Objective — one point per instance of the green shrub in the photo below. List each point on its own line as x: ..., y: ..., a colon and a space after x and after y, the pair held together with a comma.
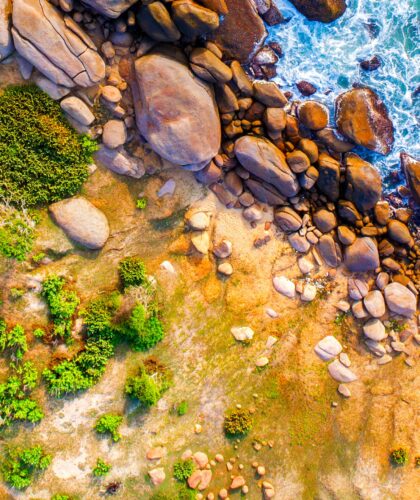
x: 62, y: 305
x: 15, y: 403
x: 132, y: 272
x: 183, y: 469
x: 20, y: 466
x: 182, y: 408
x: 238, y: 422
x: 109, y: 424
x: 98, y: 316
x: 14, y: 339
x: 42, y: 158
x: 141, y: 203
x: 16, y: 293
x: 39, y: 333
x: 149, y: 385
x: 59, y: 496
x: 399, y: 456
x: 143, y: 333
x: 101, y: 468
x: 17, y: 230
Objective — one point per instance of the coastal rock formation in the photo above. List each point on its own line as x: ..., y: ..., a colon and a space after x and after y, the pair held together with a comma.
x: 241, y: 32
x: 362, y: 117
x: 175, y: 111
x: 325, y: 11
x: 81, y: 221
x: 55, y: 45
x: 411, y: 168
x: 110, y: 8
x: 6, y: 42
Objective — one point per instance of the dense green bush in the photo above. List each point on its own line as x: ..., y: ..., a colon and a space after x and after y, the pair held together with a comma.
x: 399, y: 456
x: 152, y: 381
x: 132, y: 272
x: 62, y: 305
x: 98, y: 316
x: 109, y: 424
x: 81, y: 372
x: 101, y: 468
x: 20, y: 466
x: 238, y: 422
x: 141, y: 331
x: 183, y: 469
x: 42, y: 158
x: 15, y: 403
x: 14, y: 339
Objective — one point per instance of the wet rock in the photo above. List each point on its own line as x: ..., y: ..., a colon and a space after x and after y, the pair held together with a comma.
x: 324, y: 220
x: 233, y: 183
x: 340, y: 373
x: 371, y: 64
x: 6, y: 42
x: 328, y: 348
x: 157, y: 476
x: 309, y: 148
x: 193, y: 19
x: 209, y: 67
x: 411, y: 168
x: 155, y: 21
x: 81, y: 221
x: 55, y: 45
x: 265, y: 56
x: 325, y: 11
x: 287, y: 219
x: 78, y: 110
x: 375, y: 304
x: 364, y: 183
x: 375, y: 330
x: 175, y: 111
x: 273, y: 16
x: 329, y: 176
x: 362, y: 256
x: 363, y: 117
x: 400, y: 299
x: 399, y: 232
x: 110, y: 8
x: 269, y: 94
x: 330, y: 251
x: 284, y: 286
x: 313, y: 115
x: 306, y: 88
x: 264, y: 160
x: 114, y: 134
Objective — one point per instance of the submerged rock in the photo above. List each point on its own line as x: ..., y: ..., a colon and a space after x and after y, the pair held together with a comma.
x: 325, y: 11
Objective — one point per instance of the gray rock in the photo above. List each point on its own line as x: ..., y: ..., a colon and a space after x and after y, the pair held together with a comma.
x: 198, y: 221
x: 56, y: 92
x: 400, y: 299
x: 362, y: 256
x: 114, y: 134
x: 328, y: 348
x: 298, y: 242
x: 78, y: 110
x: 284, y: 286
x: 375, y: 347
x: 340, y: 373
x: 357, y: 288
x: 375, y: 303
x: 81, y: 221
x: 374, y: 329
x: 6, y: 42
x: 242, y: 333
x: 358, y: 310
x: 120, y: 162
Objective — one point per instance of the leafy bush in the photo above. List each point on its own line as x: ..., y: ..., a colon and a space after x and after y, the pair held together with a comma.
x: 101, y: 468
x: 109, y: 423
x: 15, y: 403
x: 14, y: 339
x: 238, y: 422
x: 183, y: 469
x: 17, y: 230
x: 149, y: 385
x: 81, y: 372
x: 143, y: 333
x: 61, y: 303
x: 20, y: 466
x: 98, y: 316
x: 182, y: 408
x: 39, y: 333
x: 132, y: 272
x: 399, y: 456
x: 42, y: 158
x: 141, y: 203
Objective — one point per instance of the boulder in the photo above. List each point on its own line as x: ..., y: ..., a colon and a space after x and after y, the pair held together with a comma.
x: 114, y: 134
x: 193, y: 19
x: 6, y: 42
x: 325, y: 11
x: 330, y: 250
x: 324, y: 220
x: 269, y: 94
x: 208, y: 66
x: 357, y: 288
x: 313, y: 115
x: 362, y: 117
x: 78, y: 110
x: 55, y: 45
x: 175, y: 111
x: 411, y: 168
x: 275, y: 122
x: 334, y: 141
x: 341, y: 373
x: 120, y: 162
x: 364, y: 183
x: 265, y: 192
x: 298, y: 161
x: 400, y: 299
x: 310, y: 148
x: 241, y: 33
x: 287, y: 219
x: 155, y: 21
x: 110, y: 8
x: 328, y: 348
x: 375, y: 304
x: 362, y: 256
x: 218, y: 6
x: 241, y: 79
x: 81, y: 221
x: 298, y: 242
x: 264, y: 160
x: 374, y: 329
x: 329, y: 176
x: 399, y: 232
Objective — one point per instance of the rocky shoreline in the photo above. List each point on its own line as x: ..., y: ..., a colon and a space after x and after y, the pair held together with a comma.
x: 179, y: 87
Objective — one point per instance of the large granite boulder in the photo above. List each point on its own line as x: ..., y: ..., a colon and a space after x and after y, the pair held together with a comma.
x: 55, y: 45
x: 81, y: 221
x: 264, y: 160
x: 364, y: 184
x: 362, y: 117
x: 362, y: 256
x: 400, y: 299
x: 241, y: 33
x: 175, y: 111
x: 325, y: 11
x: 110, y: 8
x: 411, y: 168
x: 6, y: 42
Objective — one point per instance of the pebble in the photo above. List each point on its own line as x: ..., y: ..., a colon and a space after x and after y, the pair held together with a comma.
x: 284, y: 286
x: 157, y: 476
x: 344, y: 390
x: 223, y: 494
x: 201, y: 242
x: 272, y: 313
x: 343, y: 306
x: 237, y: 482
x: 305, y: 265
x: 114, y: 134
x: 111, y: 94
x: 225, y: 268
x: 167, y: 266
x: 374, y: 303
x: 344, y: 359
x: 223, y: 249
x: 262, y: 361
x: 167, y: 189
x: 309, y: 292
x: 271, y: 341
x: 261, y: 470
x: 219, y: 458
x: 375, y: 347
x: 199, y: 221
x: 242, y: 333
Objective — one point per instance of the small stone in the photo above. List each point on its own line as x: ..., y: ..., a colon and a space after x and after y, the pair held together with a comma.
x: 384, y: 360
x: 261, y: 470
x: 114, y: 134
x: 343, y: 306
x: 157, y: 476
x: 344, y: 390
x: 167, y: 266
x: 271, y: 341
x: 201, y: 242
x: 199, y: 221
x: 223, y: 249
x: 223, y: 494
x: 229, y: 466
x: 358, y: 310
x: 200, y: 459
x: 156, y: 453
x: 111, y: 94
x: 272, y: 313
x: 344, y: 359
x: 186, y: 455
x: 219, y: 458
x: 226, y: 269
x: 309, y: 292
x: 375, y: 304
x: 261, y: 362
x: 340, y: 373
x: 198, y: 428
x: 78, y: 110
x: 167, y: 189
x: 357, y: 288
x: 374, y: 329
x: 284, y: 286
x: 375, y: 347
x: 245, y: 489
x: 237, y: 482
x: 305, y: 265
x: 242, y: 333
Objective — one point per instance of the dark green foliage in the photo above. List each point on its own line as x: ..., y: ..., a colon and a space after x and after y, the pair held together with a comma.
x: 17, y: 231
x: 42, y: 158
x: 15, y: 403
x: 101, y: 468
x: 132, y: 272
x: 141, y: 331
x: 109, y: 424
x: 182, y: 408
x: 151, y: 382
x: 81, y: 372
x: 14, y: 339
x: 98, y: 316
x: 61, y: 303
x: 183, y: 469
x: 20, y: 466
x: 399, y: 456
x: 238, y: 422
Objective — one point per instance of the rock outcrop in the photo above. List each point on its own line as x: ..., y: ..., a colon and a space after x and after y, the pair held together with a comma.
x: 362, y: 117
x: 6, y: 42
x: 411, y: 168
x: 110, y: 8
x: 176, y: 111
x: 55, y: 45
x: 325, y: 11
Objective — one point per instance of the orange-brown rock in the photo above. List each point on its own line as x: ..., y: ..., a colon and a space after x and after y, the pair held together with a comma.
x: 325, y: 11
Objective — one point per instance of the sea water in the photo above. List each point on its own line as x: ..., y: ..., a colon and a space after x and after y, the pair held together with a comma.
x: 328, y: 56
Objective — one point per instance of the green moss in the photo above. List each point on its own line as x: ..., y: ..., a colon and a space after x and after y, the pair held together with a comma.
x: 42, y: 158
x: 20, y: 466
x: 182, y: 408
x: 141, y: 203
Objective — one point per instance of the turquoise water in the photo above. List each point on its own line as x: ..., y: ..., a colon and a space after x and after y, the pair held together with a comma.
x: 328, y: 56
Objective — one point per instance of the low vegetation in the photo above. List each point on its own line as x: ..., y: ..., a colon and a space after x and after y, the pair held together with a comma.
x: 399, y: 457
x: 101, y: 468
x: 13, y: 340
x: 21, y: 465
x: 183, y: 469
x: 238, y: 422
x: 109, y: 424
x: 132, y: 272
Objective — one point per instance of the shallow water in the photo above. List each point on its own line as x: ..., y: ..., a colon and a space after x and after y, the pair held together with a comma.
x: 328, y: 56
